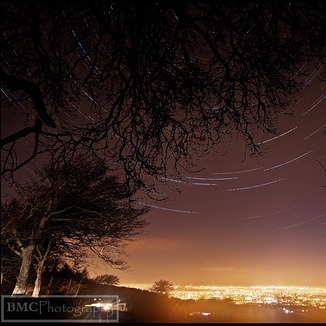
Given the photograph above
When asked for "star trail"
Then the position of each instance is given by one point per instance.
(246, 213)
(243, 219)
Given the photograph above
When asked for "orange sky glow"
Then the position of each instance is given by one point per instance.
(244, 221)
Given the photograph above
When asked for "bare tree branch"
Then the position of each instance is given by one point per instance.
(146, 86)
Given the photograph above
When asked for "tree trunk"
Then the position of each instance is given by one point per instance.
(38, 281)
(27, 256)
(78, 287)
(48, 290)
(39, 270)
(69, 285)
(26, 261)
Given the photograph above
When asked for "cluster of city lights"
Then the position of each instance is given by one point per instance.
(281, 295)
(299, 296)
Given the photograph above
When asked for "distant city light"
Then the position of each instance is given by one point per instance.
(266, 295)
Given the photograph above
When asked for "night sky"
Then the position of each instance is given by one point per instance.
(244, 220)
(240, 220)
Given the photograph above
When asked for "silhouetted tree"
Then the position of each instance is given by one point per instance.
(63, 278)
(162, 287)
(71, 209)
(148, 84)
(9, 265)
(106, 279)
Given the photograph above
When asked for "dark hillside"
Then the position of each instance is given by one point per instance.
(148, 307)
(143, 306)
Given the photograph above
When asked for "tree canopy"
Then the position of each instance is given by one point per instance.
(148, 85)
(106, 279)
(70, 211)
(162, 287)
